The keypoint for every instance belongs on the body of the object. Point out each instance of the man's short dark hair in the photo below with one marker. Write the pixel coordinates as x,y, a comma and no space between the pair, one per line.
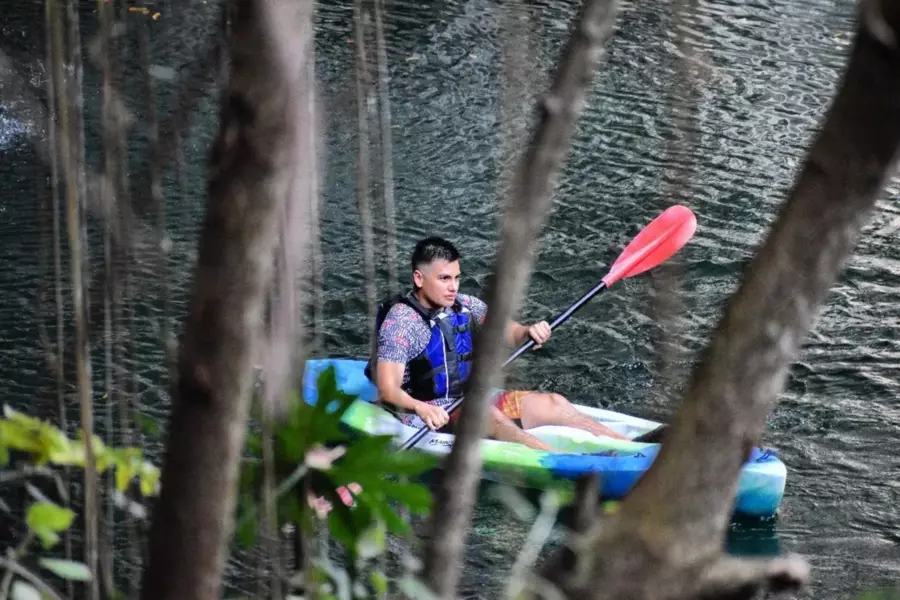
431,249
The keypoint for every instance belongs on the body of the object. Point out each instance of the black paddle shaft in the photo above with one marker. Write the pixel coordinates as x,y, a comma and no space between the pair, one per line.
559,320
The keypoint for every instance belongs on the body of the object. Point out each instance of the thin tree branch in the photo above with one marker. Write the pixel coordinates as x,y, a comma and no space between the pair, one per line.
33,579
531,200
72,157
363,87
173,139
386,148
316,208
269,514
52,86
743,579
110,159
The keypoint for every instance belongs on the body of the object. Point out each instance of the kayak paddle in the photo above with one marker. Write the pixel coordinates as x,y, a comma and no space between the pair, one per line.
656,243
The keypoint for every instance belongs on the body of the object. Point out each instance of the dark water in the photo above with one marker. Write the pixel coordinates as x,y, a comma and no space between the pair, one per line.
764,73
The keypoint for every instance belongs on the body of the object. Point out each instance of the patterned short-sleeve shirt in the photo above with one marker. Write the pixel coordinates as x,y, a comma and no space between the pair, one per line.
404,333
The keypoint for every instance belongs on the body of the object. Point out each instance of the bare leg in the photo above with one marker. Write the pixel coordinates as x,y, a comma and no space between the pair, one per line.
502,428
552,409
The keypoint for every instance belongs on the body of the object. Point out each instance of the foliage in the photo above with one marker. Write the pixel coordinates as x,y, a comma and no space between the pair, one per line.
42,445
46,520
315,457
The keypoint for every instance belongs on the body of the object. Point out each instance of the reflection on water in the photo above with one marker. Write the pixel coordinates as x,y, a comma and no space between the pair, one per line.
764,73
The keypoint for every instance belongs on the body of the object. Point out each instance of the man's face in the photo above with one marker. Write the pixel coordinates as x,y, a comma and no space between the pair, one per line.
439,282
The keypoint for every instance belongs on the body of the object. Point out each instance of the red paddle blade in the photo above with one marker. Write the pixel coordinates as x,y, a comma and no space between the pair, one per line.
658,241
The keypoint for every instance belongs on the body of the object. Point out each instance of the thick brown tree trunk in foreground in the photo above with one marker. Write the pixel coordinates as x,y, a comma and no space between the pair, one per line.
251,175
532,192
665,542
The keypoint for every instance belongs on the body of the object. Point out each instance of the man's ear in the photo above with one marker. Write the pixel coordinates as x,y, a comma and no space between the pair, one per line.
418,278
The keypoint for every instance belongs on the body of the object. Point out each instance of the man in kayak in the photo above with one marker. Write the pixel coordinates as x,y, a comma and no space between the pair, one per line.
425,343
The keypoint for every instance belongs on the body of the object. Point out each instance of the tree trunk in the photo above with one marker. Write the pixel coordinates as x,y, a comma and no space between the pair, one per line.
251,175
531,199
665,542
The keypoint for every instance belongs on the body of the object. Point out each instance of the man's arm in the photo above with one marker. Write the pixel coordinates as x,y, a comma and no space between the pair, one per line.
390,379
517,333
390,389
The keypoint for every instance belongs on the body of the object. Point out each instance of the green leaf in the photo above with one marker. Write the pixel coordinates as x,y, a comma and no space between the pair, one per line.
247,525
19,436
149,475
17,417
44,441
46,519
47,537
290,442
416,497
395,523
342,525
246,533
49,516
326,416
368,450
253,444
363,462
67,569
610,506
371,542
24,591
409,464
148,425
326,387
126,465
379,582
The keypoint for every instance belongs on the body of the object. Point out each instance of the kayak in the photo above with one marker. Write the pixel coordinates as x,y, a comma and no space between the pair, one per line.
618,463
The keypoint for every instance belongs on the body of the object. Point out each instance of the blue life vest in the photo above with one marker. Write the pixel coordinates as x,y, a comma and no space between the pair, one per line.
445,364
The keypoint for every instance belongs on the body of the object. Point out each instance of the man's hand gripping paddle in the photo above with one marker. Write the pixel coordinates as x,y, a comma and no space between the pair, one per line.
655,244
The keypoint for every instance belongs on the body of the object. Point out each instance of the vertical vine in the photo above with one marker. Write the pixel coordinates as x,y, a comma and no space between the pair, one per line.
110,154
386,148
53,83
360,16
71,134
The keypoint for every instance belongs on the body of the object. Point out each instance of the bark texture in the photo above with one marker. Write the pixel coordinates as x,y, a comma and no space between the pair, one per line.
665,542
531,199
252,174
